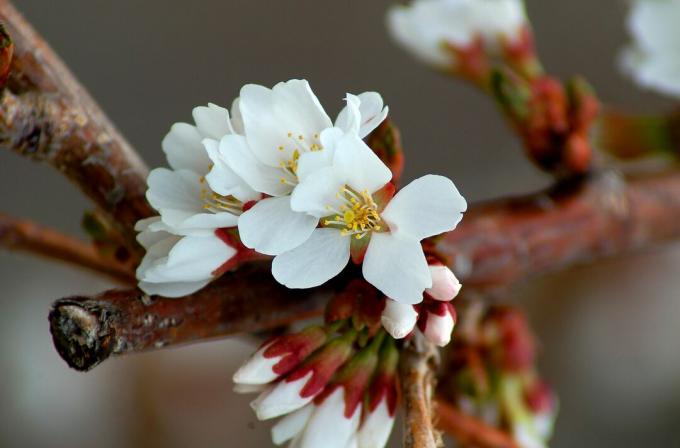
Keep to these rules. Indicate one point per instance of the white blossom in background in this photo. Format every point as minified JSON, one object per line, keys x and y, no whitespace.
{"x":284,"y":140}
{"x":653,"y":58}
{"x":343,"y":195}
{"x":177,"y":265}
{"x":427,"y":27}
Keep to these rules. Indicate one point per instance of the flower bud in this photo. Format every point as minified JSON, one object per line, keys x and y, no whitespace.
{"x":398,"y":319}
{"x":376,"y":428}
{"x":280,"y":356}
{"x":437,"y":322}
{"x":445,"y":285}
{"x":291,"y":425}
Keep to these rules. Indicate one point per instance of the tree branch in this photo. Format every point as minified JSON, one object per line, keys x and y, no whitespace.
{"x":417,"y":366}
{"x":86,"y":330}
{"x":497,"y":243}
{"x":469,"y":430}
{"x":45,"y":114}
{"x":24,"y":235}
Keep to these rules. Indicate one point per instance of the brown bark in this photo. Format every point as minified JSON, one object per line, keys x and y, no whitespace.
{"x":87,"y":330}
{"x":23,"y":235}
{"x":45,"y":114}
{"x":469,"y":430}
{"x":497,"y":244}
{"x":417,"y":366}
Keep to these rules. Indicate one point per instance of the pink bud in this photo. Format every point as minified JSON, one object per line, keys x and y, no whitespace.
{"x":445,"y":285}
{"x":398,"y":319}
{"x":437,"y":322}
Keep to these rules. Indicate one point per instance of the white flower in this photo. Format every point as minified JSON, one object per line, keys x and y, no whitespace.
{"x":283,"y":141}
{"x":437,"y":323}
{"x":185,"y":201}
{"x":344,"y":195}
{"x":398,"y":319}
{"x":653,"y":59}
{"x":427,"y":27}
{"x":176,"y":265}
{"x":445,"y":285}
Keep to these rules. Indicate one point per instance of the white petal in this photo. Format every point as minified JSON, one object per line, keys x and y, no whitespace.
{"x":282,"y":399}
{"x":183,"y":149}
{"x":172,"y":289}
{"x":270,"y":115}
{"x":428,"y":206}
{"x":291,"y":425}
{"x":222,"y":179}
{"x":439,"y":328}
{"x":192,"y":258}
{"x":148,"y":236}
{"x":367,"y":108}
{"x":397,"y":267}
{"x":398,"y":319}
{"x":312,"y":161}
{"x":328,"y":427}
{"x":235,"y":151}
{"x":317,"y":193}
{"x":349,"y":118}
{"x":445,"y":285}
{"x":236,"y":118}
{"x":240,"y":388}
{"x":212,"y":121}
{"x":271,"y":227}
{"x":258,"y":369}
{"x":376,"y":429}
{"x":358,"y":165}
{"x":323,"y":256}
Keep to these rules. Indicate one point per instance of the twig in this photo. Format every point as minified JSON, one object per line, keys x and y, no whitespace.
{"x":47,"y":115}
{"x":86,"y":331}
{"x":24,"y":235}
{"x":417,"y":366}
{"x":469,"y":430}
{"x":496,"y":244}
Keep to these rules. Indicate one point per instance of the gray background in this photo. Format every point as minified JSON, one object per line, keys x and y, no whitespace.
{"x":608,"y":333}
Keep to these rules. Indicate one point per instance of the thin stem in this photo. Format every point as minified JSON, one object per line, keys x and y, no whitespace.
{"x":469,"y":430}
{"x":24,"y":235}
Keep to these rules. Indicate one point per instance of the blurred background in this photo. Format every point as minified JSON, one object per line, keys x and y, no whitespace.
{"x":609,"y":332}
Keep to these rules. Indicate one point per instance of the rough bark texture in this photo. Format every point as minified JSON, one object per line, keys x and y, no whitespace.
{"x":23,"y":235}
{"x":86,"y":330}
{"x":417,"y":366}
{"x":468,"y":430}
{"x":45,"y":114}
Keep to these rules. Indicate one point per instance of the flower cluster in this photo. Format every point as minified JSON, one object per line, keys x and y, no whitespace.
{"x":278,"y":178}
{"x":492,"y":375}
{"x":652,"y":59}
{"x":334,"y":385}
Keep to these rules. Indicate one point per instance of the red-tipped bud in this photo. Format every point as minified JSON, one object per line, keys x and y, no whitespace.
{"x":436,"y":322}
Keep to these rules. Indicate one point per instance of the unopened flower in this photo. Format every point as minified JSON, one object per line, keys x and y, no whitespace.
{"x":653,"y":58}
{"x":430,"y":29}
{"x":398,"y":319}
{"x":445,"y":285}
{"x":283,"y":127}
{"x":344,"y":394}
{"x":352,"y":199}
{"x":436,"y":322}
{"x":185,"y":201}
{"x":176,"y":265}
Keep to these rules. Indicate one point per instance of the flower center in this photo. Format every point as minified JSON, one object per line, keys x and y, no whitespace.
{"x":357,"y":214}
{"x":299,"y":145}
{"x":216,"y":203}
